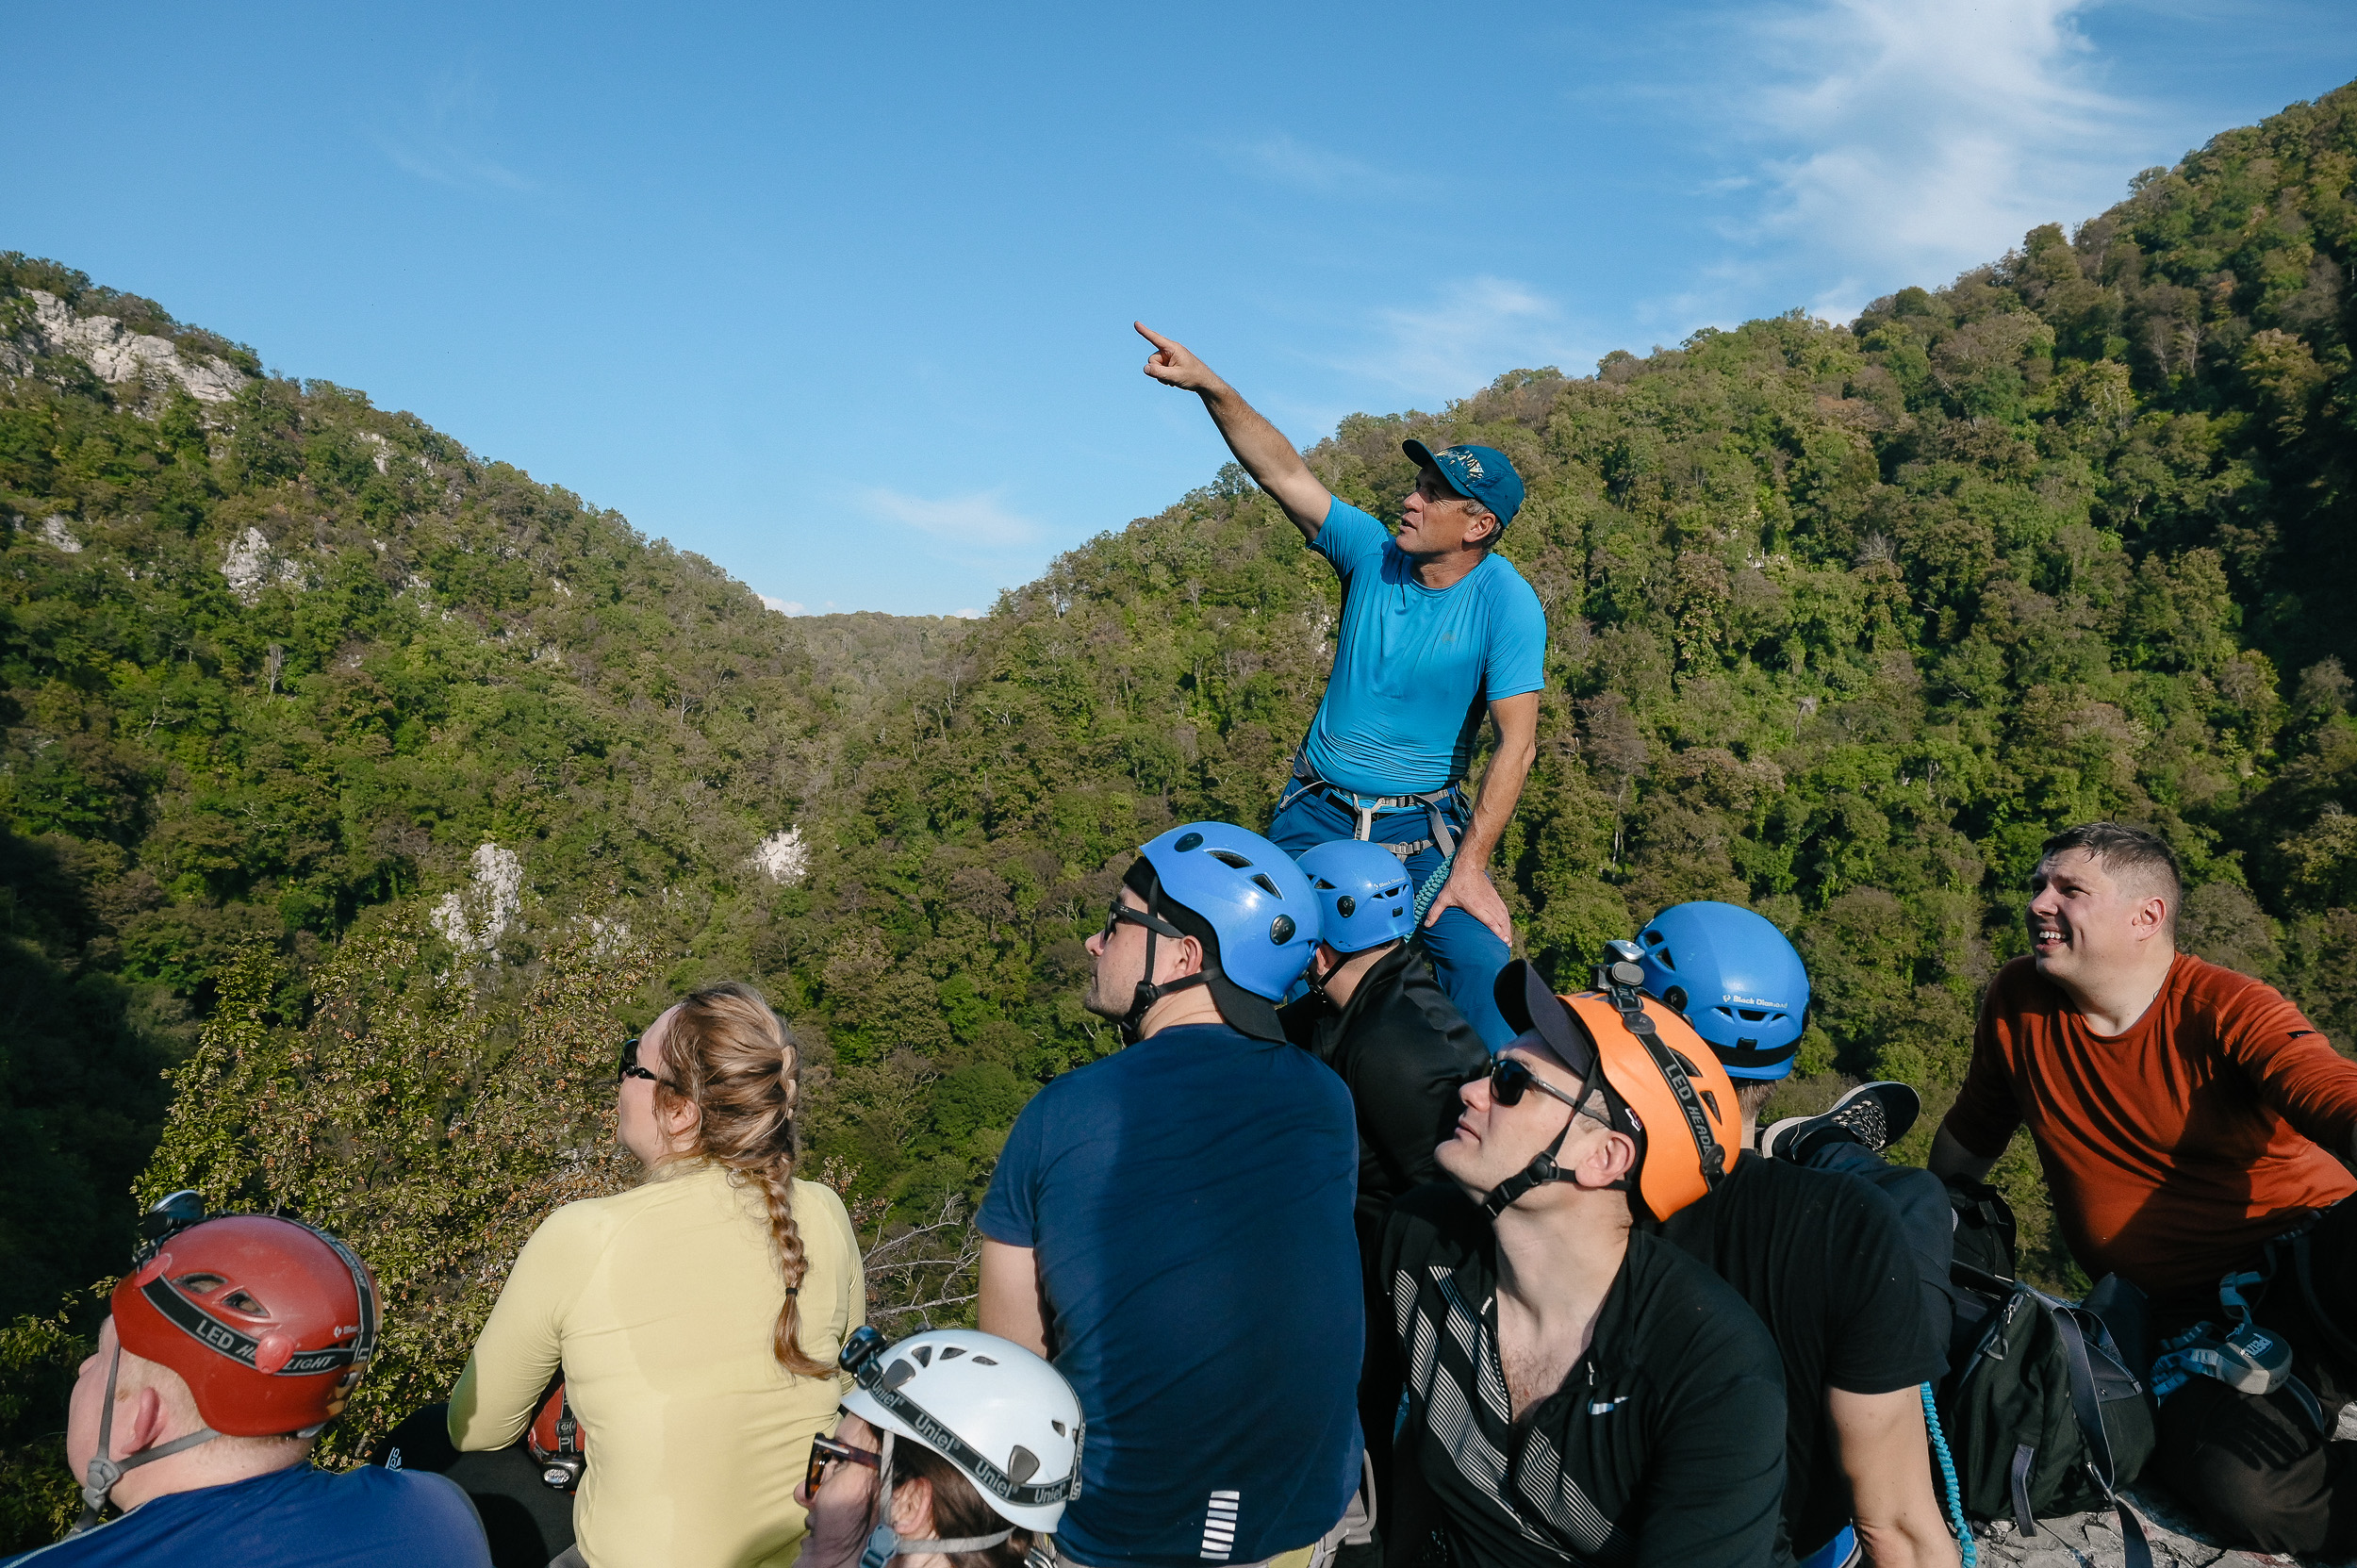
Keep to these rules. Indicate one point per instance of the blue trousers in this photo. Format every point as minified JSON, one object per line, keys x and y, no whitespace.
{"x":1466,"y":956}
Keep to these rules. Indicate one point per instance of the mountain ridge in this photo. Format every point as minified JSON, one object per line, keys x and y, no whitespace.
{"x":1844,"y":619}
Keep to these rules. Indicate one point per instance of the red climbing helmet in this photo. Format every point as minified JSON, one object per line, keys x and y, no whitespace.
{"x":268,"y":1321}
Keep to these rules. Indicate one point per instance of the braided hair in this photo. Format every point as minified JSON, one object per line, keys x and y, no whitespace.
{"x":731,"y":1057}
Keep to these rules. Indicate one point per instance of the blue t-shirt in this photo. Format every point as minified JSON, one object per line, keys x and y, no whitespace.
{"x":1189,"y":1201}
{"x":1415,"y":669}
{"x":296,"y":1518}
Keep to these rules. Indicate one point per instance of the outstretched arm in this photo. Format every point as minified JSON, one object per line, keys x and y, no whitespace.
{"x":1259,"y":446}
{"x":1468,"y":886}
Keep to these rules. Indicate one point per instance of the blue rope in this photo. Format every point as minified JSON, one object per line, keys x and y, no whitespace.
{"x":1947,"y":1479}
{"x":1432,"y":885}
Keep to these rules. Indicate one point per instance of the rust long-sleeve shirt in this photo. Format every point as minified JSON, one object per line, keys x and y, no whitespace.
{"x":2175,"y":1149}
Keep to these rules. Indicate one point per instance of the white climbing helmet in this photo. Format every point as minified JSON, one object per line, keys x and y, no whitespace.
{"x":1004,"y":1417}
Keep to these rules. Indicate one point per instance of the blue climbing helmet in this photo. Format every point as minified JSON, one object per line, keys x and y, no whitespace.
{"x":1737,"y":980}
{"x":1249,"y":905}
{"x":1366,"y":895}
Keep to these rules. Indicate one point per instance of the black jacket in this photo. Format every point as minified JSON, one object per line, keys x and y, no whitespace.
{"x":1403,"y":1048}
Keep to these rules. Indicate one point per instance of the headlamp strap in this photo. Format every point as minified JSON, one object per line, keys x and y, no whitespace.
{"x":1629,"y":1002}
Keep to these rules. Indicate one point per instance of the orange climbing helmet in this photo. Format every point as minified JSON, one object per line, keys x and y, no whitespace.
{"x":1662,"y":1085}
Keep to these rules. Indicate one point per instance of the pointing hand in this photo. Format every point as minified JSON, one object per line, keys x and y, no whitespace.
{"x":1173,"y":366}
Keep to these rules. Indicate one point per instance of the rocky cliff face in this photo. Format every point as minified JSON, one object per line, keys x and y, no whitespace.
{"x":115,"y":354}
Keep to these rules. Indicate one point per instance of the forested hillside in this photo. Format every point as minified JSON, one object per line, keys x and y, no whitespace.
{"x":415,"y":781}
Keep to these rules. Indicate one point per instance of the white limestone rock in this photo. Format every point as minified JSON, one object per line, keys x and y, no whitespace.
{"x":251,"y":566}
{"x":475,"y":918}
{"x":783,"y":857}
{"x":55,"y":532}
{"x":119,"y":356}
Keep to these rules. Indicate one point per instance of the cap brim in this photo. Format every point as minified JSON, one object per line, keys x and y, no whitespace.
{"x":1530,"y":1006}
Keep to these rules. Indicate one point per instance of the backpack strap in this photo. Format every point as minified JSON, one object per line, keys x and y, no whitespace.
{"x":2090,"y":1410}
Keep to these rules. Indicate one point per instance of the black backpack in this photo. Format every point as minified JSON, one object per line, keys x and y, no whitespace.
{"x":2045,"y":1413}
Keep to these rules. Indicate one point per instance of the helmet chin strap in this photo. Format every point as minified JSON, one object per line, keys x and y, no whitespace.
{"x":1142,"y":999}
{"x":885,"y":1543}
{"x":1541,"y":1170}
{"x":106,"y":1471}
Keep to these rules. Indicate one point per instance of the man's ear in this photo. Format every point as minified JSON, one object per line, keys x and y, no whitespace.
{"x":1608,"y":1158}
{"x":2151,"y":918}
{"x":141,"y":1424}
{"x":1183,"y":958}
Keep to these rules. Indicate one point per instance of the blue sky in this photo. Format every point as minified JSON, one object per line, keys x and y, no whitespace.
{"x":839,"y":296}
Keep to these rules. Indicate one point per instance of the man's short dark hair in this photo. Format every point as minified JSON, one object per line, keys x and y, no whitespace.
{"x":2125,"y":852}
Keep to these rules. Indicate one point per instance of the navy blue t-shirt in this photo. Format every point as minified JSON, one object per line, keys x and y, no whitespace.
{"x":297,"y":1518}
{"x":1189,"y":1202}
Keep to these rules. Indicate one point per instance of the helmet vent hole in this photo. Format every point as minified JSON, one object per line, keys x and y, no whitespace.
{"x":1058,"y":1425}
{"x":1022,"y":1465}
{"x":1661,"y":955}
{"x":1188,"y":841}
{"x":1323,"y":885}
{"x":984,"y":1361}
{"x":1266,"y":886}
{"x":1346,"y":906}
{"x":240,"y":1301}
{"x":1750,"y":1015}
{"x":951,"y":1352}
{"x":923,"y":1354}
{"x":1230,"y":857}
{"x":898,"y":1373}
{"x":200,"y":1283}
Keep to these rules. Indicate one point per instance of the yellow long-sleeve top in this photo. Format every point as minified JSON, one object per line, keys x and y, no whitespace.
{"x":659,"y":1303}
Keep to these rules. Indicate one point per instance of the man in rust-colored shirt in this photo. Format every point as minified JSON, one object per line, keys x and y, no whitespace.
{"x":2184,"y":1113}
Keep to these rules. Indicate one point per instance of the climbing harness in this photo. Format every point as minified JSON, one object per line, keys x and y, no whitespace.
{"x":1365,"y":807}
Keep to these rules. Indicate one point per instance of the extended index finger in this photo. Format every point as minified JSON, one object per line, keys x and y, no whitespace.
{"x":1156,"y":338}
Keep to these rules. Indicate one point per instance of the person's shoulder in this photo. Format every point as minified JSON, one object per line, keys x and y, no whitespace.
{"x":1686,"y":1312}
{"x":817,"y":1198}
{"x":410,"y":1507}
{"x":2215,"y":987}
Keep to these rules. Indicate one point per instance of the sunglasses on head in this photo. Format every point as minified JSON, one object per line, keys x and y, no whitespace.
{"x":1511,"y":1078}
{"x":629,"y":1062}
{"x":825,"y":1451}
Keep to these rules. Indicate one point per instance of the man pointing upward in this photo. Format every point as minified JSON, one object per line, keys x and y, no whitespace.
{"x":1436,"y":632}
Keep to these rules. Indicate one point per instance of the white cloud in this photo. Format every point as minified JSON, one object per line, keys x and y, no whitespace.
{"x":968,"y":615}
{"x":440,"y":143}
{"x":981,"y":518}
{"x":784,"y":606}
{"x":1919,"y":138}
{"x":1475,"y":331}
{"x":1291,"y":162}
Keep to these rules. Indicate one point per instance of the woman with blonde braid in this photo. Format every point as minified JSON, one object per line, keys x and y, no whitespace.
{"x":697,"y":1317}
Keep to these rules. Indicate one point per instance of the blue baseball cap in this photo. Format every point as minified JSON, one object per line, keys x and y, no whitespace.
{"x":1483,"y":472}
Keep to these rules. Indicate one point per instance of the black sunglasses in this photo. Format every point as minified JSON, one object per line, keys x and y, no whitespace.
{"x":629,"y":1062}
{"x":1121,"y":912}
{"x":1511,"y":1078}
{"x":825,"y":1451}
